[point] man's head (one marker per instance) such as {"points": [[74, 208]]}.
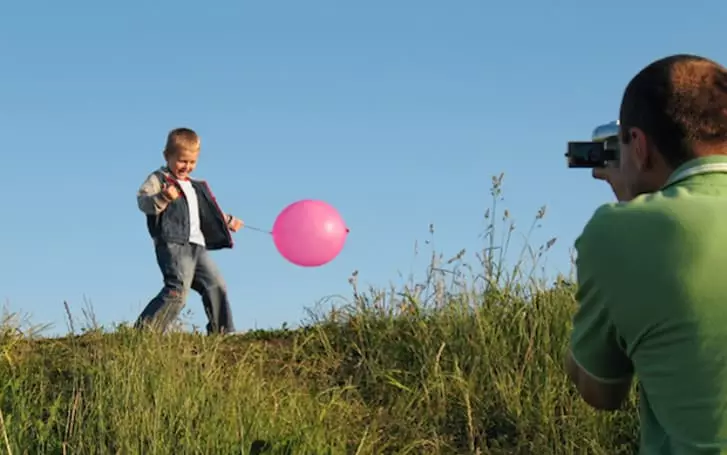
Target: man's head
{"points": [[672, 111], [182, 151]]}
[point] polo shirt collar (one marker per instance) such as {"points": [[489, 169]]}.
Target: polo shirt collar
{"points": [[704, 165]]}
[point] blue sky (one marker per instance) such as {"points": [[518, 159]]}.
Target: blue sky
{"points": [[396, 112]]}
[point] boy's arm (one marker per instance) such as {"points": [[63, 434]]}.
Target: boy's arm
{"points": [[233, 223], [150, 198]]}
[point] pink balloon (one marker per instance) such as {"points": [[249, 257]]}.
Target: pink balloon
{"points": [[309, 233]]}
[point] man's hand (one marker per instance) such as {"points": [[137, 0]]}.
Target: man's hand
{"points": [[615, 178], [604, 396], [235, 224], [170, 193]]}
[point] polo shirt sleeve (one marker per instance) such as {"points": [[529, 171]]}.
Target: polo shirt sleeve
{"points": [[595, 342]]}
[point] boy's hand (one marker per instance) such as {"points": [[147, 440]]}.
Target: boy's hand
{"points": [[170, 192], [236, 224]]}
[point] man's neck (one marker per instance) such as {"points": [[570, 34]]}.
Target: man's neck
{"points": [[704, 150]]}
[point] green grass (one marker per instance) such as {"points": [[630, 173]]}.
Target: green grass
{"points": [[468, 361]]}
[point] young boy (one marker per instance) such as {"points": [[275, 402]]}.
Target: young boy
{"points": [[185, 221]]}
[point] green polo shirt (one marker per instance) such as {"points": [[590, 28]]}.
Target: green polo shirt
{"points": [[652, 293]]}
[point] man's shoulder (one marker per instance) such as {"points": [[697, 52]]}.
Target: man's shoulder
{"points": [[649, 202], [654, 225], [621, 230], [613, 218], [643, 212]]}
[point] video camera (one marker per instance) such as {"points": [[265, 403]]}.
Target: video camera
{"points": [[597, 153]]}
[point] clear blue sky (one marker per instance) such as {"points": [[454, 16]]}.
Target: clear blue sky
{"points": [[396, 112]]}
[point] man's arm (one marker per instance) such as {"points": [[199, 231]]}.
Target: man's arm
{"points": [[603, 396], [150, 198], [597, 363]]}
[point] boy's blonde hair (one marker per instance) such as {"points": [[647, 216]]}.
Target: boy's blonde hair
{"points": [[182, 139]]}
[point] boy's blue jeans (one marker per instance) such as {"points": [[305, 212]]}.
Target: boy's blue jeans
{"points": [[184, 267]]}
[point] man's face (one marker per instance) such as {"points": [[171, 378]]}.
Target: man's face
{"points": [[182, 163], [640, 163], [627, 164]]}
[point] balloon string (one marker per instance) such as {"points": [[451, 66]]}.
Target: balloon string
{"points": [[252, 228], [264, 231]]}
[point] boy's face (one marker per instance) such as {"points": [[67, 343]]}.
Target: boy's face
{"points": [[182, 163]]}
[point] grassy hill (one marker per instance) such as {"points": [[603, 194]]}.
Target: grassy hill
{"points": [[449, 366], [453, 379]]}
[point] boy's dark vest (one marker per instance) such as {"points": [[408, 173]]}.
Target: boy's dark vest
{"points": [[172, 224]]}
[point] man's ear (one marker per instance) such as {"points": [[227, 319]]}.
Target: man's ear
{"points": [[639, 149]]}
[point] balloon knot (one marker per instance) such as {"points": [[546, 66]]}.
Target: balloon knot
{"points": [[347, 230]]}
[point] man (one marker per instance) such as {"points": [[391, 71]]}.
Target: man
{"points": [[652, 268]]}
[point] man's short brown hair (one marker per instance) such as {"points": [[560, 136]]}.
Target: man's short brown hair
{"points": [[679, 102], [181, 139]]}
